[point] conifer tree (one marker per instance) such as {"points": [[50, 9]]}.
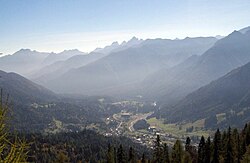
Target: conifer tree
{"points": [[188, 144], [208, 151], [166, 154], [201, 150], [216, 146], [224, 139], [121, 158], [243, 141], [190, 151], [143, 159], [246, 157], [131, 156], [229, 158], [115, 154], [248, 135], [236, 147], [187, 158], [158, 151], [177, 152], [110, 155]]}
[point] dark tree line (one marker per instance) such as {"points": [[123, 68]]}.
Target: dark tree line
{"points": [[229, 146], [84, 146]]}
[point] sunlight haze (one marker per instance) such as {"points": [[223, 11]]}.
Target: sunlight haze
{"points": [[85, 25]]}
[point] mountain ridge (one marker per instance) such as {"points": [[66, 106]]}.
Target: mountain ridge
{"points": [[122, 68], [175, 83], [230, 93], [22, 90]]}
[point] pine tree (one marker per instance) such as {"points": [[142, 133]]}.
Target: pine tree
{"points": [[246, 157], [224, 139], [201, 150], [166, 154], [158, 151], [243, 145], [110, 154], [236, 142], [208, 151], [190, 151], [216, 146], [188, 144], [143, 159], [187, 158], [229, 150], [131, 156], [115, 154], [177, 152], [121, 158], [248, 135]]}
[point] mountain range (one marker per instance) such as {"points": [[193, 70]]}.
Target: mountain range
{"points": [[171, 84], [229, 95], [119, 71], [26, 61], [38, 108], [191, 79]]}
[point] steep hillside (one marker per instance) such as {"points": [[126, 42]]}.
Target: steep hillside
{"points": [[34, 108], [170, 85], [22, 90], [229, 95]]}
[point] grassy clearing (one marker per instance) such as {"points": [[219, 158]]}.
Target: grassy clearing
{"points": [[220, 117], [179, 130], [55, 127]]}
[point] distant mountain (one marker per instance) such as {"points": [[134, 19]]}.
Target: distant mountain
{"points": [[56, 69], [66, 54], [26, 61], [23, 91], [245, 30], [79, 59], [219, 36], [115, 46], [170, 85], [23, 61], [118, 72], [228, 95], [180, 49], [107, 49]]}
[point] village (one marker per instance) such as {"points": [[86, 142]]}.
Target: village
{"points": [[124, 123]]}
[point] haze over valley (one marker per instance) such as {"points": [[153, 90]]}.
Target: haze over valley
{"points": [[124, 88]]}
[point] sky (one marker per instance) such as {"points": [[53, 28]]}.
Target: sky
{"points": [[56, 25]]}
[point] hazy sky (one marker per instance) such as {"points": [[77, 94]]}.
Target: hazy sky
{"points": [[55, 25]]}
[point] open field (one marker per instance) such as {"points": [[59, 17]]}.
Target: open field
{"points": [[180, 130]]}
